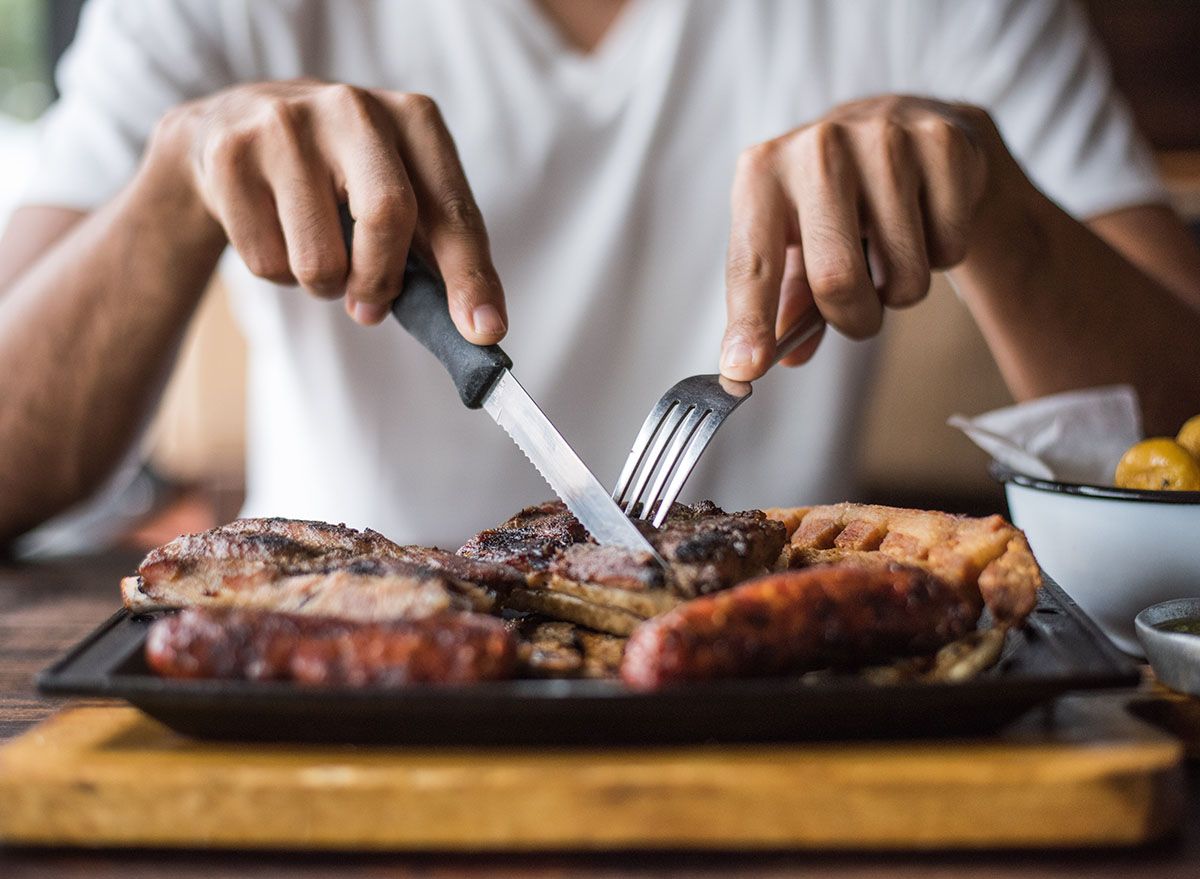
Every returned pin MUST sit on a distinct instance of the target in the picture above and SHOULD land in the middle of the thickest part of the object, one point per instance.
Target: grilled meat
(529, 540)
(612, 589)
(985, 557)
(259, 645)
(840, 615)
(313, 568)
(564, 650)
(709, 549)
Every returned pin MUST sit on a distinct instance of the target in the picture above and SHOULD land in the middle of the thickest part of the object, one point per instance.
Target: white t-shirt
(604, 181)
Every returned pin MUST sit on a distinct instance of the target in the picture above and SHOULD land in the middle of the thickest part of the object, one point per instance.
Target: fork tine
(670, 424)
(641, 444)
(687, 463)
(683, 436)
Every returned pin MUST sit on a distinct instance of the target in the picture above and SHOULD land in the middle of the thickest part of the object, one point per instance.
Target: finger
(762, 224)
(306, 205)
(380, 197)
(891, 194)
(950, 167)
(451, 221)
(240, 199)
(825, 184)
(795, 300)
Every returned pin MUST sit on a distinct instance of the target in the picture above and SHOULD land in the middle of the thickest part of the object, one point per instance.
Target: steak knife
(483, 377)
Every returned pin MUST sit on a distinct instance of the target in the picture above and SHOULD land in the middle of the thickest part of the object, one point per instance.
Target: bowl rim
(1005, 474)
(1171, 609)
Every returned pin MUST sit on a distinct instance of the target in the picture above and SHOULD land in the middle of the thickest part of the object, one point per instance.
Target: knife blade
(483, 378)
(514, 410)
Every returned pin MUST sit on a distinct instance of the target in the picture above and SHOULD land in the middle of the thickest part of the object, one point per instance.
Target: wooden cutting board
(1086, 774)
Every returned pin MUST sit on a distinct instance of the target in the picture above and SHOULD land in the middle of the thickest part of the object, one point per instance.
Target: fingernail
(486, 320)
(368, 314)
(737, 354)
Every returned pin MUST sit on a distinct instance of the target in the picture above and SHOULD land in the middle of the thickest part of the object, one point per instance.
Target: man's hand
(272, 161)
(907, 175)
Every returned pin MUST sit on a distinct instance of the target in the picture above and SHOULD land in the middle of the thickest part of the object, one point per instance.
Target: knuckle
(319, 268)
(267, 263)
(822, 146)
(227, 148)
(280, 117)
(910, 287)
(376, 288)
(459, 213)
(757, 159)
(350, 101)
(419, 106)
(940, 131)
(835, 281)
(949, 246)
(391, 208)
(748, 266)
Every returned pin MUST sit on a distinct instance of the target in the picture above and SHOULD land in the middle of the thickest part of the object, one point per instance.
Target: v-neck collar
(612, 59)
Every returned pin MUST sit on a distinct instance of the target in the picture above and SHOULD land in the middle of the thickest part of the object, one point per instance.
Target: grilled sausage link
(262, 645)
(829, 615)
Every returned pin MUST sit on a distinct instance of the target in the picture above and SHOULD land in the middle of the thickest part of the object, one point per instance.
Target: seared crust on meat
(986, 555)
(841, 615)
(709, 549)
(529, 540)
(705, 548)
(312, 568)
(258, 645)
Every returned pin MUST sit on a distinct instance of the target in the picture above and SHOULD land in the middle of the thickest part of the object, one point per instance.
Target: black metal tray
(1058, 650)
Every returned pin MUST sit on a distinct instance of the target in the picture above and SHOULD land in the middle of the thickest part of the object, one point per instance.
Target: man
(601, 140)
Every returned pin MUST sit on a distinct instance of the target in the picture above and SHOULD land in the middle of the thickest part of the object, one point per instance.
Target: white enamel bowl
(1114, 550)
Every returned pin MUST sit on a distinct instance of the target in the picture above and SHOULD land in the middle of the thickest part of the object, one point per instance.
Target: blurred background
(192, 478)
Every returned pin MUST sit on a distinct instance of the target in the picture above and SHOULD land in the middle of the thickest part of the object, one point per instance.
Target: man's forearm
(86, 336)
(1062, 309)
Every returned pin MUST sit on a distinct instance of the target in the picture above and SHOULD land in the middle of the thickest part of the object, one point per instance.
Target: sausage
(828, 615)
(263, 645)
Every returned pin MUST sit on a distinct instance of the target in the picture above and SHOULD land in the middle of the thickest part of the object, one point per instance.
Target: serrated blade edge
(513, 409)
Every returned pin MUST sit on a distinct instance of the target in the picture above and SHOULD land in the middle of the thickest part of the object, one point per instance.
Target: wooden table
(44, 609)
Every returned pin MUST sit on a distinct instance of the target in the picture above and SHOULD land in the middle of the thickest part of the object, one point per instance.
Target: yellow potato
(1159, 463)
(1189, 436)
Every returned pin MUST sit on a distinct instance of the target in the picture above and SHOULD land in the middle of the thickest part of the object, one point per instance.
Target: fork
(680, 427)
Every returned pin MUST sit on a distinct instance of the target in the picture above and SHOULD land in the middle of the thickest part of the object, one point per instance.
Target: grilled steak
(844, 614)
(312, 568)
(612, 589)
(529, 540)
(259, 645)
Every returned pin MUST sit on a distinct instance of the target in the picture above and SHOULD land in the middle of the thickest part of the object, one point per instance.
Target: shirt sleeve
(1041, 73)
(132, 60)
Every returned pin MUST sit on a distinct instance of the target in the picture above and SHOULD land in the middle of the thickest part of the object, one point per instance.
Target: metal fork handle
(809, 325)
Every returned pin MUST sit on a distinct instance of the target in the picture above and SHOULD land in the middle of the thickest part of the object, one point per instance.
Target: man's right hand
(272, 161)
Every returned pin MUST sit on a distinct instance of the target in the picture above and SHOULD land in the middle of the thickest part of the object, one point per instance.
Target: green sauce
(1187, 625)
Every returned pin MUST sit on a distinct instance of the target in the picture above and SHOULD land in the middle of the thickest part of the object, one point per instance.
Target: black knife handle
(422, 309)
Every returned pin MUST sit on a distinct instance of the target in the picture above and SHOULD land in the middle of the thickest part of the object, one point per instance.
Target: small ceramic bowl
(1174, 656)
(1114, 550)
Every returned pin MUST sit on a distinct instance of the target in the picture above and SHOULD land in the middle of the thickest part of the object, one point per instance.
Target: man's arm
(1063, 305)
(89, 320)
(932, 185)
(91, 309)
